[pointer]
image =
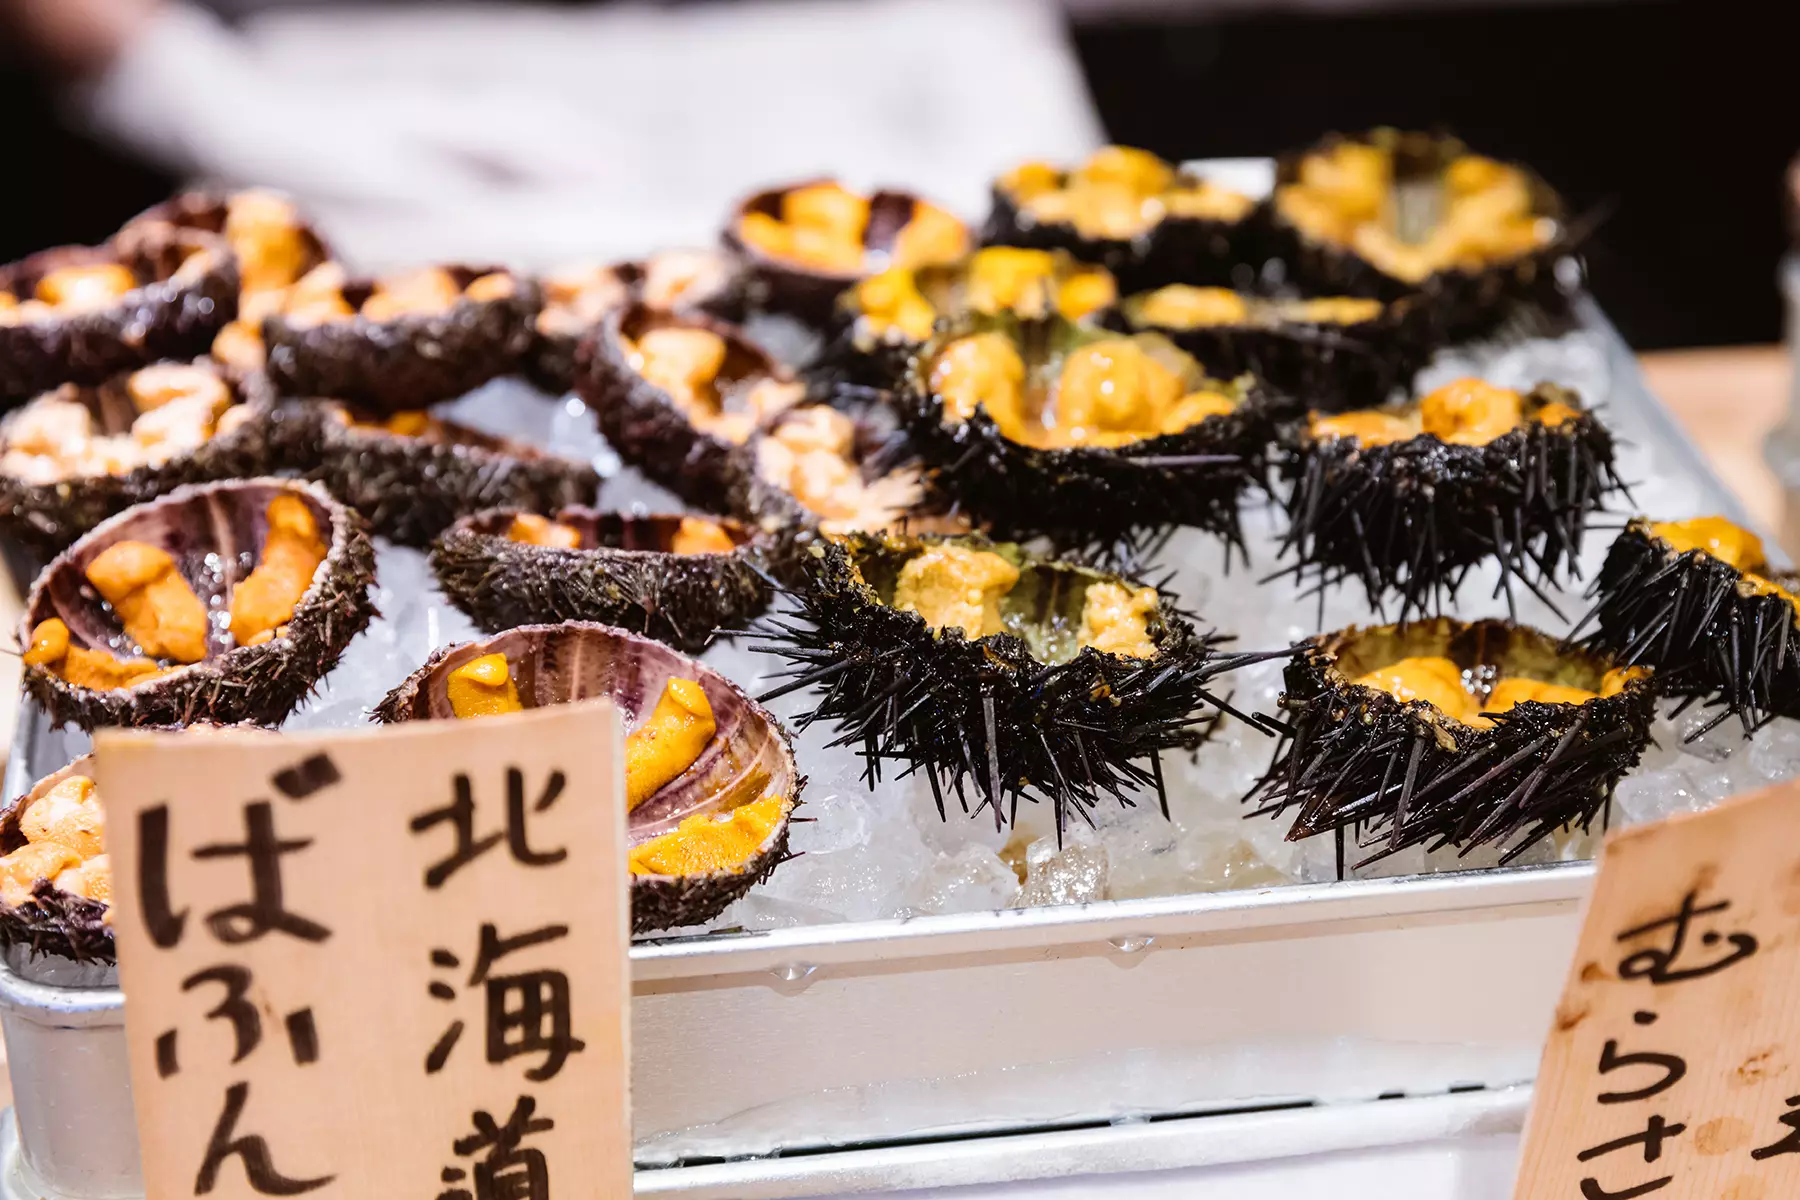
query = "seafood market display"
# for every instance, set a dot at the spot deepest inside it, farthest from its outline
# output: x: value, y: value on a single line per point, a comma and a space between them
x: 1147, y: 537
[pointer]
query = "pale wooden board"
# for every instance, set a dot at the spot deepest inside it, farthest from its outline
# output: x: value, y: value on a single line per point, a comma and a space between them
x: 1723, y: 1002
x: 367, y: 1112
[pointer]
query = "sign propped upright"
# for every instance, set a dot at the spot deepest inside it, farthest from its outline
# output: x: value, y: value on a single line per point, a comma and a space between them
x: 378, y: 964
x: 1673, y: 1064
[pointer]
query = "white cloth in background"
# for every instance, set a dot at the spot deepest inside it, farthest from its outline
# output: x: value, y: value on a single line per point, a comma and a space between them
x: 538, y: 136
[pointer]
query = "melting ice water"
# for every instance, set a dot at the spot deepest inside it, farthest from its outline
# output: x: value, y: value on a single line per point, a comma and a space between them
x: 865, y: 855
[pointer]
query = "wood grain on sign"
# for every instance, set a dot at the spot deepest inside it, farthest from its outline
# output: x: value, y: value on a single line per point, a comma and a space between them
x: 1673, y: 1064
x: 385, y: 963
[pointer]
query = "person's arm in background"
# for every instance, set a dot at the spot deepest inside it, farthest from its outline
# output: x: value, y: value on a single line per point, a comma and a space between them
x: 75, y: 39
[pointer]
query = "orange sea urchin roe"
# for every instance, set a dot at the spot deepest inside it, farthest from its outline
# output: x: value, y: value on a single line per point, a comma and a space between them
x: 669, y: 741
x: 891, y: 301
x: 708, y: 842
x: 931, y: 236
x: 1116, y: 619
x: 1333, y: 310
x: 1437, y: 681
x: 681, y: 361
x: 158, y: 609
x: 534, y: 530
x: 94, y: 669
x: 65, y: 835
x: 291, y: 555
x: 1112, y: 392
x: 1180, y: 306
x: 483, y: 687
x: 983, y: 370
x: 954, y: 587
x: 1367, y: 427
x: 1731, y: 544
x: 1512, y: 690
x: 820, y: 226
x: 698, y: 536
x: 1470, y: 412
x: 414, y: 293
x: 83, y: 288
x: 265, y: 234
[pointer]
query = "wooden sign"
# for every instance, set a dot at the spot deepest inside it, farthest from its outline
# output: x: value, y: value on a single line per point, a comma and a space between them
x: 1673, y: 1064
x: 384, y: 963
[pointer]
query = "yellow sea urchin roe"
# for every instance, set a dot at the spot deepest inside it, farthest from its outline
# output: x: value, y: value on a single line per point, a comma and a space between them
x: 291, y: 554
x: 94, y: 669
x: 317, y: 296
x: 710, y: 841
x: 1112, y: 392
x: 1730, y: 544
x: 954, y: 587
x: 483, y: 687
x: 265, y: 234
x: 1470, y: 412
x: 1759, y: 585
x: 158, y: 609
x: 1116, y: 619
x: 1086, y: 291
x: 534, y: 530
x: 981, y: 370
x: 153, y: 387
x: 932, y: 236
x: 68, y: 813
x: 1437, y: 681
x: 1333, y: 310
x: 1010, y: 279
x: 1370, y: 429
x: 1511, y: 690
x: 496, y: 285
x: 821, y: 226
x: 891, y: 301
x: 697, y: 536
x: 415, y: 293
x: 681, y: 361
x: 1620, y: 678
x: 669, y: 741
x: 1202, y: 200
x: 1182, y: 307
x: 84, y: 288
x: 91, y: 880
x: 20, y: 870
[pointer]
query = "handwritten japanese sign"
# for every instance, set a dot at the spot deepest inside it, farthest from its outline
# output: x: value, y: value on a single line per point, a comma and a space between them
x: 1673, y: 1064
x: 389, y: 963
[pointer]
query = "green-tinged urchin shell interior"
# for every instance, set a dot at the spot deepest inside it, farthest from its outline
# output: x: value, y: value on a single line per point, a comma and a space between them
x: 1022, y: 713
x: 1694, y: 618
x: 1409, y: 519
x: 1325, y: 367
x: 1086, y: 497
x: 408, y: 362
x: 53, y: 921
x: 46, y: 517
x: 749, y: 757
x: 188, y: 285
x: 1174, y: 250
x: 624, y: 573
x: 705, y: 281
x: 215, y: 534
x: 413, y: 486
x: 1357, y: 761
x: 1463, y: 302
x: 778, y: 285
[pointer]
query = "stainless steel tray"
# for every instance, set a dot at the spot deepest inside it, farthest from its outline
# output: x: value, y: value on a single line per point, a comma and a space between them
x: 1026, y: 1022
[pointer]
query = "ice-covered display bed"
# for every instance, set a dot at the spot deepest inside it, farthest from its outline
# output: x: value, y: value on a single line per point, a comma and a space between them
x: 865, y: 855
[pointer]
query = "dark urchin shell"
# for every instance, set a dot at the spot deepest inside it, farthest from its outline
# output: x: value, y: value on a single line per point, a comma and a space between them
x: 1411, y: 518
x: 410, y: 362
x: 1321, y: 366
x: 46, y: 517
x: 1174, y: 250
x: 413, y: 487
x: 717, y: 292
x: 214, y: 532
x: 53, y: 921
x: 1356, y: 760
x: 990, y: 712
x: 1695, y: 620
x: 1463, y: 302
x: 792, y: 288
x: 554, y: 664
x: 623, y: 574
x: 188, y: 292
x: 1086, y: 497
x: 207, y: 211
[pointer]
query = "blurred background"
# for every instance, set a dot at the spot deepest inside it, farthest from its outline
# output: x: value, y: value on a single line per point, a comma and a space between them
x: 539, y: 133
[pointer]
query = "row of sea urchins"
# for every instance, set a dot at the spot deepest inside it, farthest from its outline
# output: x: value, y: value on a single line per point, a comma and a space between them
x: 991, y: 667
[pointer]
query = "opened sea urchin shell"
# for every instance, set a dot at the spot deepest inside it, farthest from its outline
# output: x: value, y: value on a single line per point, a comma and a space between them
x: 216, y: 535
x: 1428, y: 769
x: 51, y: 900
x: 400, y: 343
x: 630, y: 571
x: 746, y: 759
x: 1072, y: 684
x: 75, y: 456
x: 1699, y: 601
x: 79, y: 314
